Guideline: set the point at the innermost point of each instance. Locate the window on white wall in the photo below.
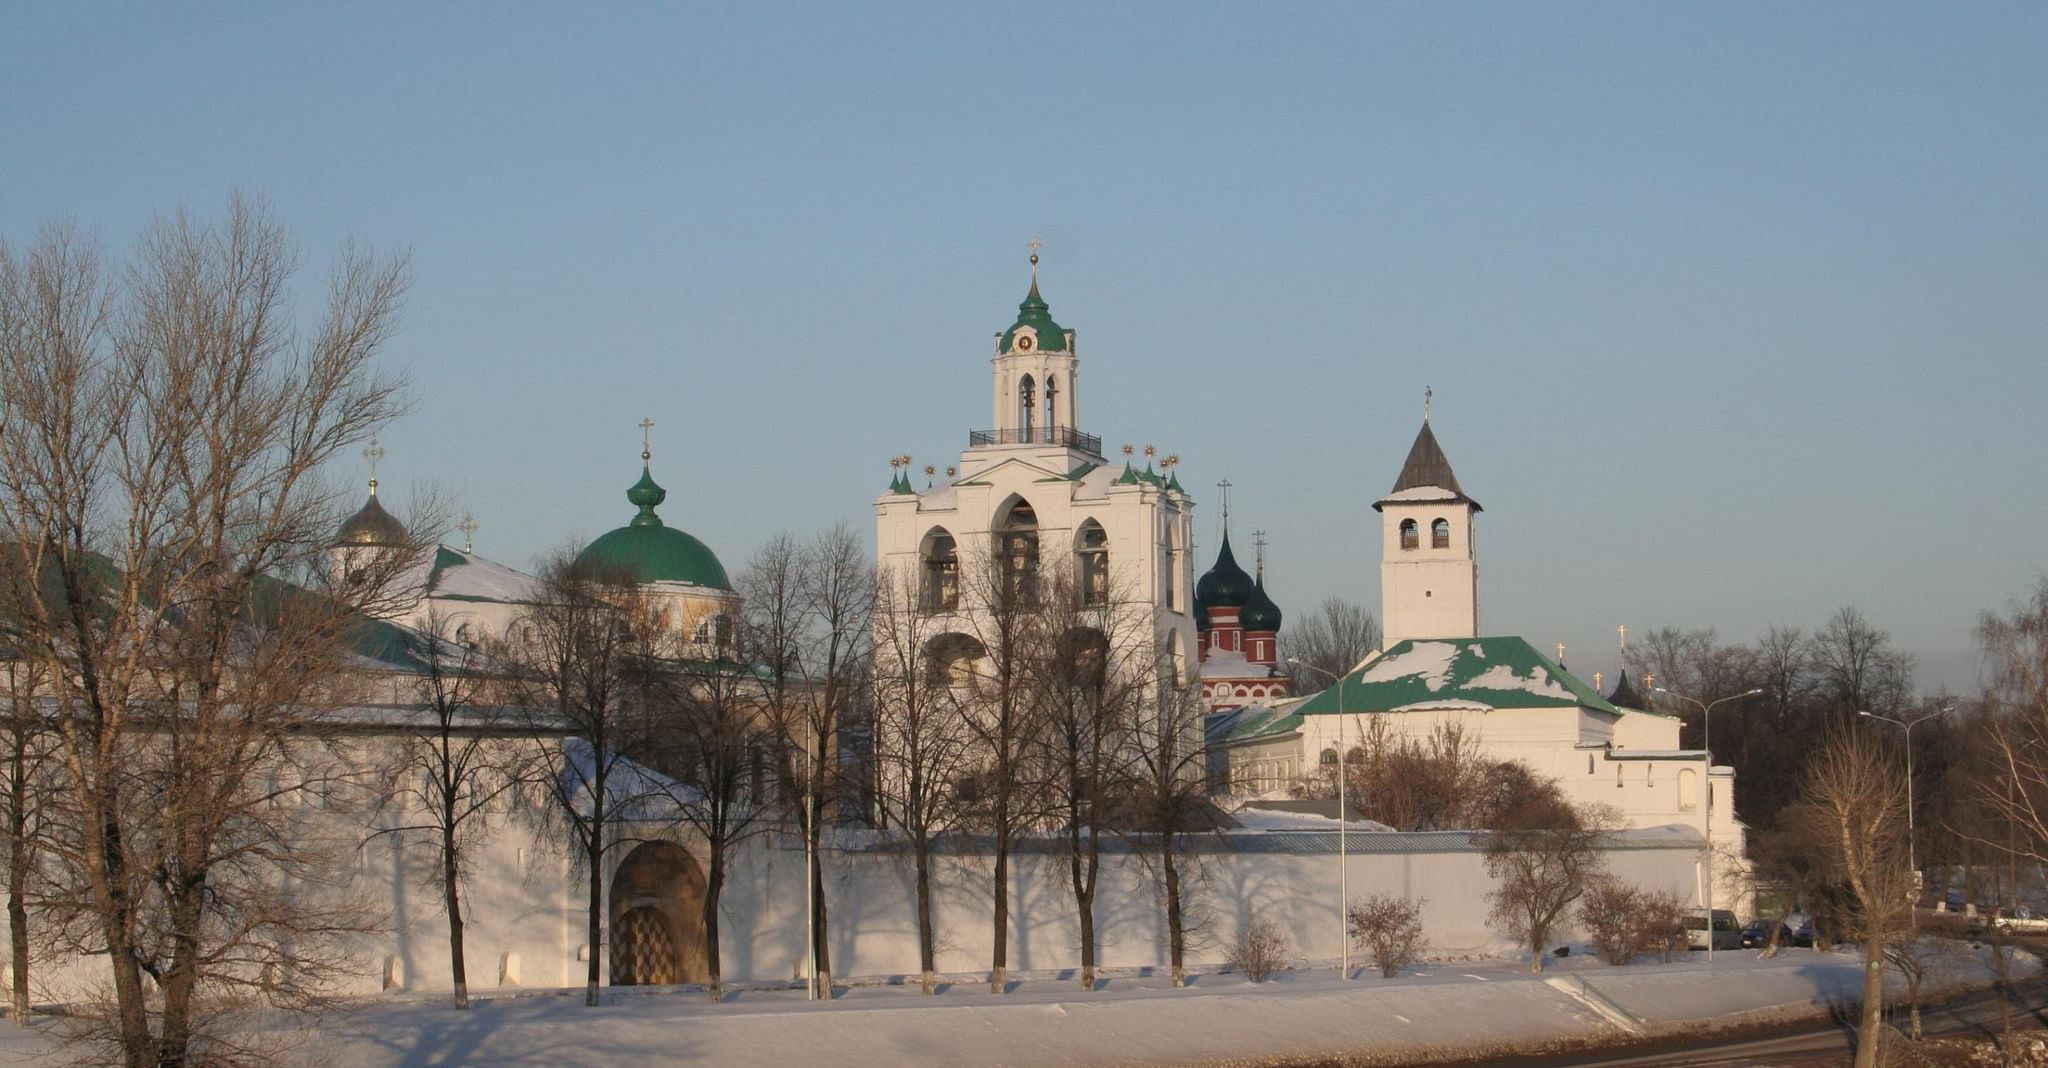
(1688, 790)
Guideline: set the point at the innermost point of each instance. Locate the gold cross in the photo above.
(373, 454)
(646, 450)
(468, 528)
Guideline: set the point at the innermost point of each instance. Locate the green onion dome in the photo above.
(1201, 615)
(1260, 613)
(1226, 585)
(651, 551)
(1050, 336)
(371, 525)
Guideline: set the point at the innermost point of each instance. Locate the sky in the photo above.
(1732, 312)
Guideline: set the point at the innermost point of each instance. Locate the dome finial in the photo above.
(646, 449)
(373, 454)
(1427, 393)
(1034, 266)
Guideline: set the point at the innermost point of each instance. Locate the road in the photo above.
(1812, 1044)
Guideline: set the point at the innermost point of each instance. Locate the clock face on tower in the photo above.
(1024, 342)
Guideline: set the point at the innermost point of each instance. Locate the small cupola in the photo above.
(371, 525)
(1260, 613)
(1034, 330)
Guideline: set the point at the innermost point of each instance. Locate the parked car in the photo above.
(2021, 920)
(1757, 934)
(1726, 932)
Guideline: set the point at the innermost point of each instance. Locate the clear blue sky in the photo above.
(1734, 313)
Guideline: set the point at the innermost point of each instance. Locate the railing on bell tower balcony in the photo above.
(1038, 435)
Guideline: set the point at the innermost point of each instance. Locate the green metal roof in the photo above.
(1034, 313)
(653, 552)
(1475, 673)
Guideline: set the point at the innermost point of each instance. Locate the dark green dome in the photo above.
(1260, 613)
(371, 525)
(1201, 615)
(1226, 585)
(653, 552)
(1034, 314)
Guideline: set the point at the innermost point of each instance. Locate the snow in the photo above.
(1503, 677)
(1254, 820)
(1429, 661)
(487, 580)
(1449, 703)
(1044, 1020)
(634, 791)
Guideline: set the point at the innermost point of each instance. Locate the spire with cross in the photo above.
(1034, 263)
(468, 529)
(1428, 392)
(373, 454)
(1259, 554)
(646, 440)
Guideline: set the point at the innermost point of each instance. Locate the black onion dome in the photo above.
(1226, 585)
(1260, 613)
(371, 525)
(1201, 615)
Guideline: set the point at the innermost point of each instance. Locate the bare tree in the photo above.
(27, 802)
(1094, 671)
(165, 434)
(1857, 786)
(1543, 858)
(453, 769)
(716, 736)
(1168, 797)
(1856, 666)
(920, 741)
(1335, 639)
(577, 665)
(1002, 620)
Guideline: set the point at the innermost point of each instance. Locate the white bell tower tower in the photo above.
(1429, 569)
(1037, 391)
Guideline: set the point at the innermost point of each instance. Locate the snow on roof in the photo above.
(1254, 819)
(1227, 664)
(1458, 673)
(462, 576)
(635, 792)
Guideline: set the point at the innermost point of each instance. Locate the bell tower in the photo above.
(1037, 392)
(1429, 569)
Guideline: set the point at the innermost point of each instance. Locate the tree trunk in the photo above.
(714, 882)
(1176, 938)
(594, 854)
(1081, 869)
(17, 884)
(1871, 1030)
(925, 937)
(821, 945)
(1001, 916)
(180, 981)
(451, 893)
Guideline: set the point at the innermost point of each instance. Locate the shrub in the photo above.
(1624, 921)
(1260, 950)
(1389, 929)
(1661, 916)
(1609, 915)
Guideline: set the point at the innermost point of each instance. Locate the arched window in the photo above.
(1026, 397)
(1440, 534)
(1092, 546)
(941, 583)
(1409, 537)
(1052, 403)
(1083, 659)
(1688, 790)
(952, 658)
(1019, 542)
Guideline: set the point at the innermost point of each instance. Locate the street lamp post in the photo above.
(1707, 744)
(1343, 822)
(1912, 856)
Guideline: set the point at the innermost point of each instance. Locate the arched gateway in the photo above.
(657, 917)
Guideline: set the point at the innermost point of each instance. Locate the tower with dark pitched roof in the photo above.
(1429, 571)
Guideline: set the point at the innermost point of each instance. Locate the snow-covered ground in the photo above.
(1044, 1021)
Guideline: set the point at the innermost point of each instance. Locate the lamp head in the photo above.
(1866, 712)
